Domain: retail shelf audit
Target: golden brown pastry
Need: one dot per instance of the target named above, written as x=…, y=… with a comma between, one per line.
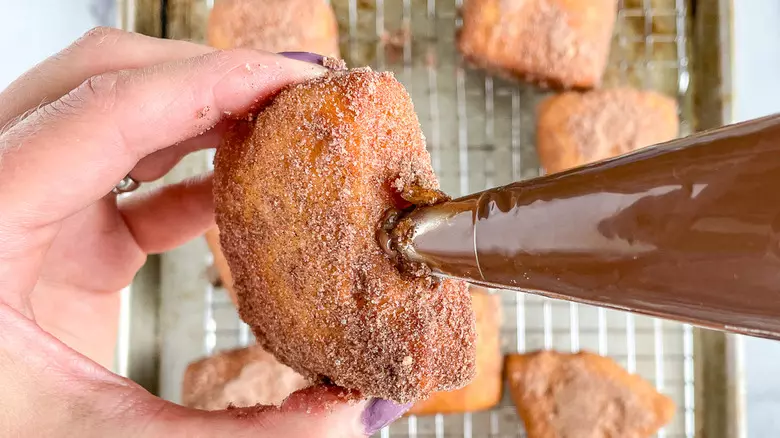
x=220, y=263
x=562, y=43
x=583, y=395
x=274, y=26
x=484, y=391
x=242, y=377
x=579, y=128
x=300, y=194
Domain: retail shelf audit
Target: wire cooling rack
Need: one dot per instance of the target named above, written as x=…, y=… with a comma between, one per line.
x=481, y=133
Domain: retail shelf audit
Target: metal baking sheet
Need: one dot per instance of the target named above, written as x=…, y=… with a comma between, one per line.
x=480, y=132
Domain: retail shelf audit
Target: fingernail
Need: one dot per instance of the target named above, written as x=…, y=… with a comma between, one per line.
x=312, y=58
x=379, y=413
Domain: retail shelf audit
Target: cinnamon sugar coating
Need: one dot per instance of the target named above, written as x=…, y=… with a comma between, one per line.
x=484, y=392
x=274, y=26
x=300, y=194
x=580, y=128
x=560, y=43
x=583, y=395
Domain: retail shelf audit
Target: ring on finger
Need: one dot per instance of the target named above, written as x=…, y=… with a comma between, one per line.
x=126, y=185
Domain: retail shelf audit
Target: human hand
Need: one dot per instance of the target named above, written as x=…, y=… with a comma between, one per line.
x=115, y=104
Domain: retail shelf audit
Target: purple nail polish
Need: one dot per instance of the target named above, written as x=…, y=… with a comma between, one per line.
x=379, y=413
x=312, y=58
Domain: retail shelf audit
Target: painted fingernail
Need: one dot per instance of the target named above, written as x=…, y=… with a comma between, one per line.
x=379, y=413
x=304, y=56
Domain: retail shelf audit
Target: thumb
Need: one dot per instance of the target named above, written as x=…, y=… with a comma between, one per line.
x=50, y=388
x=320, y=411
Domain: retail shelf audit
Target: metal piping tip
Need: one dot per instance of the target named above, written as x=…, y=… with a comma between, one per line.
x=427, y=240
x=384, y=235
x=418, y=222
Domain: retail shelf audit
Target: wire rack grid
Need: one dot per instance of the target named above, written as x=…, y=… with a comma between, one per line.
x=481, y=133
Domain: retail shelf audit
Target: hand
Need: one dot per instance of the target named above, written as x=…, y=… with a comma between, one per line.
x=114, y=104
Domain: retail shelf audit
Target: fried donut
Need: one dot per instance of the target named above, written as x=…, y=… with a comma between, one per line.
x=584, y=395
x=558, y=43
x=484, y=391
x=300, y=194
x=241, y=377
x=220, y=264
x=579, y=128
x=274, y=26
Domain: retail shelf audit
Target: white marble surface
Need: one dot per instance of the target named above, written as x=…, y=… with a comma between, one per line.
x=32, y=30
x=757, y=93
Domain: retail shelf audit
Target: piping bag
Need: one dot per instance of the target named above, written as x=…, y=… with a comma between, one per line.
x=686, y=230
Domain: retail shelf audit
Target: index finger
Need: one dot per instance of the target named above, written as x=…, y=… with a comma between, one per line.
x=71, y=152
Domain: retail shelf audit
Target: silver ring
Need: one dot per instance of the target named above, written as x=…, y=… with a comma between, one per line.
x=127, y=185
